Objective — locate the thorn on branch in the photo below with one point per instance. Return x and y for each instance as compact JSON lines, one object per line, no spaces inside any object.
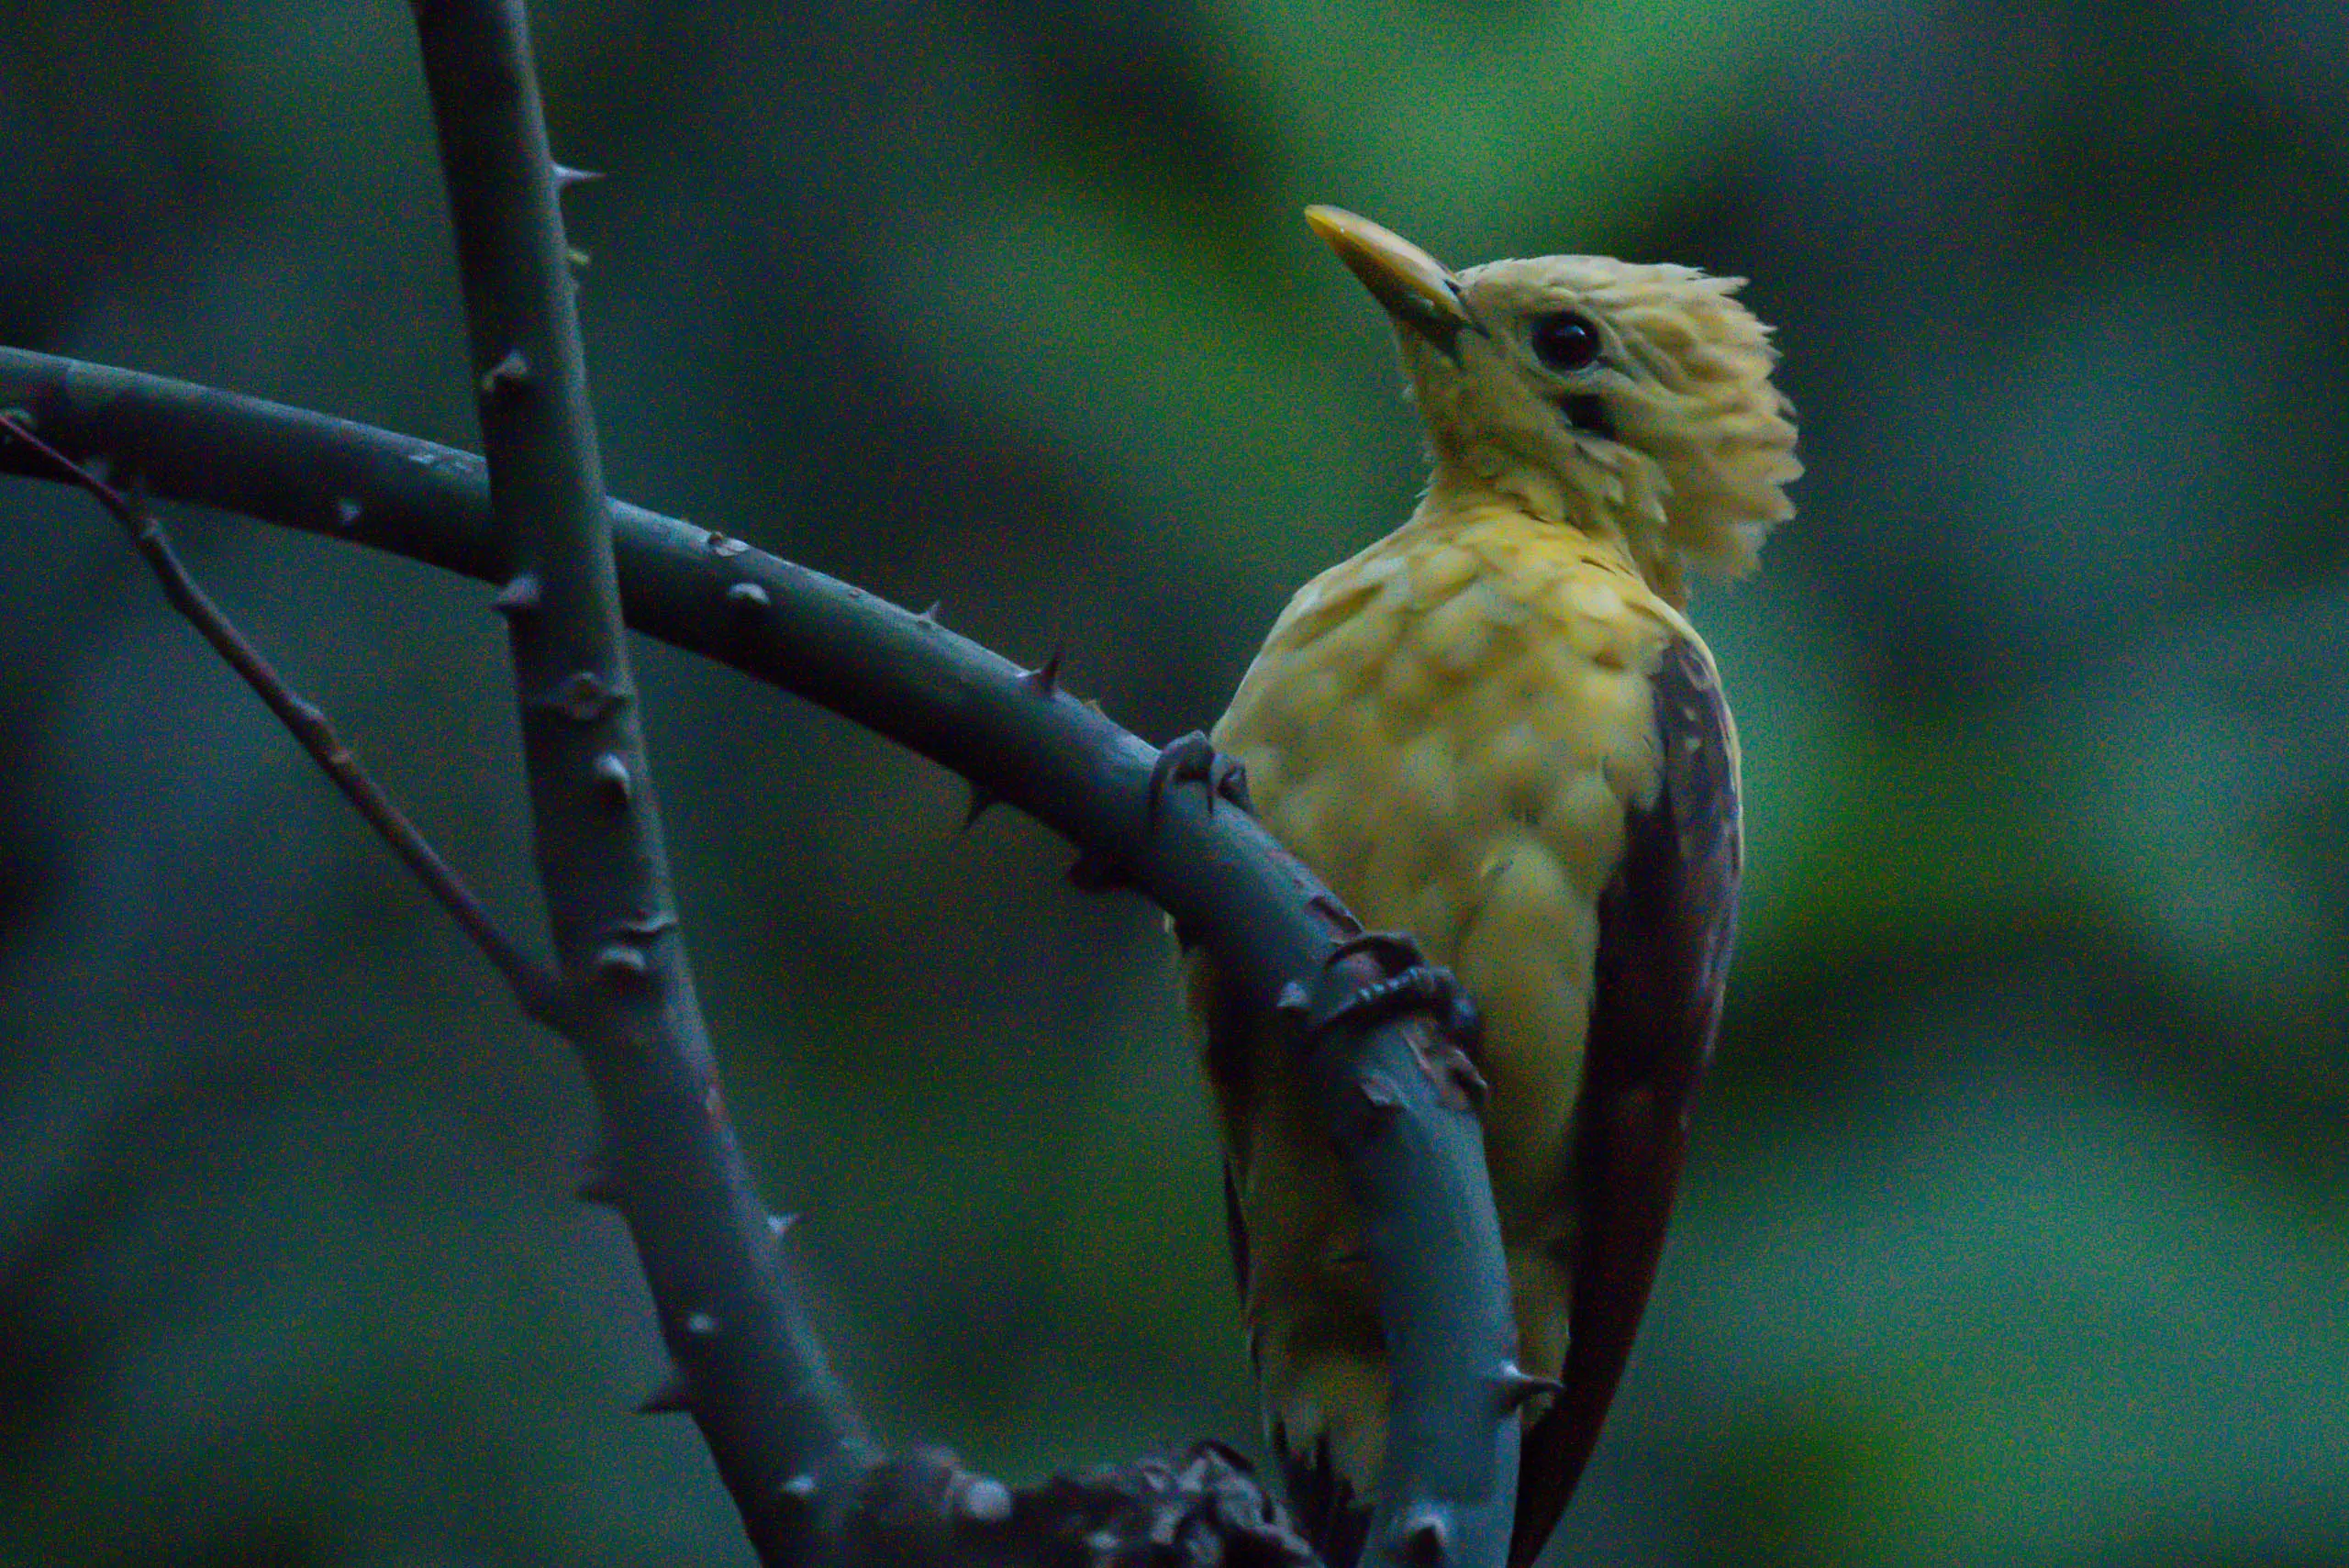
{"x":1515,"y":1388}
{"x":510,"y":374}
{"x":519,"y":597}
{"x":1193,"y":759}
{"x":1180,"y":760}
{"x":929,"y":615}
{"x":622,"y":961}
{"x":1326,"y":905}
{"x":982,"y":801}
{"x":621,"y":964}
{"x":1454,"y":1073}
{"x":565,"y":177}
{"x":1425,"y":1540}
{"x":614,"y":786}
{"x":1378,"y":1101}
{"x":1044,"y":679}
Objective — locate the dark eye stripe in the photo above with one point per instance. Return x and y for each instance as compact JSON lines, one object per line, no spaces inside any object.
{"x":1586,"y":412}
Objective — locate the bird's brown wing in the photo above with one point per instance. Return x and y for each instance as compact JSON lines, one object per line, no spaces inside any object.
{"x":1667,"y":922}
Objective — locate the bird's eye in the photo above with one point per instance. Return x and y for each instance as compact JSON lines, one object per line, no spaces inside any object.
{"x":1566,"y":341}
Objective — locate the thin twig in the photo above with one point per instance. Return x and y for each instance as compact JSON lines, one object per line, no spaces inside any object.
{"x":539,"y":992}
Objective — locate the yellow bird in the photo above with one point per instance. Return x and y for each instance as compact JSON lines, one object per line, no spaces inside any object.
{"x":1496,"y":729}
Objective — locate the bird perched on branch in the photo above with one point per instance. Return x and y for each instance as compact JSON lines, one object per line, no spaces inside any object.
{"x":1496,"y":728}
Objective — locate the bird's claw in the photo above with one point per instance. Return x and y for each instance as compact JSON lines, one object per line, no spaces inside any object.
{"x":1410,"y":985}
{"x":1190,"y":759}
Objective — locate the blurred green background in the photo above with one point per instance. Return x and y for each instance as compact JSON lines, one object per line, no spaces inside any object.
{"x":2015,"y":1229}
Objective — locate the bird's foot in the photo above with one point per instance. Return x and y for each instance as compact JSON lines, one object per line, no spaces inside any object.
{"x":1410,"y":985}
{"x":1189,"y":759}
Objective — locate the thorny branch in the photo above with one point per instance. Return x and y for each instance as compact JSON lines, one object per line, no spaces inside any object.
{"x":1266,"y":919}
{"x":747,"y":1365}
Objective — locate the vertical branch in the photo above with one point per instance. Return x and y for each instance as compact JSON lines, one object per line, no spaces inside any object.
{"x":747,"y":1365}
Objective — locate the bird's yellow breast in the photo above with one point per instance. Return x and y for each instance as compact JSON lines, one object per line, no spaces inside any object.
{"x":1449,"y":728}
{"x":1460,"y":730}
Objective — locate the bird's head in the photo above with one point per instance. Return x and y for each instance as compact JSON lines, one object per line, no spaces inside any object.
{"x":1597,"y":393}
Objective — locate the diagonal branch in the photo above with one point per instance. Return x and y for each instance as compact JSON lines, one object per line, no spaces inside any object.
{"x":538,"y":990}
{"x":1268,"y":922}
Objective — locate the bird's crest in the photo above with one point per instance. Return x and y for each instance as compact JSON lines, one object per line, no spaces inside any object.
{"x":1601,"y":394}
{"x":1685,"y":374}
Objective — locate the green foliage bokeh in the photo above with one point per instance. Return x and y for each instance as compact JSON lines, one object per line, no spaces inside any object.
{"x":2015,"y":1228}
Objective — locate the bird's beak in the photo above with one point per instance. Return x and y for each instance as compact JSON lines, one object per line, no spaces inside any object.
{"x":1413,"y":285}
